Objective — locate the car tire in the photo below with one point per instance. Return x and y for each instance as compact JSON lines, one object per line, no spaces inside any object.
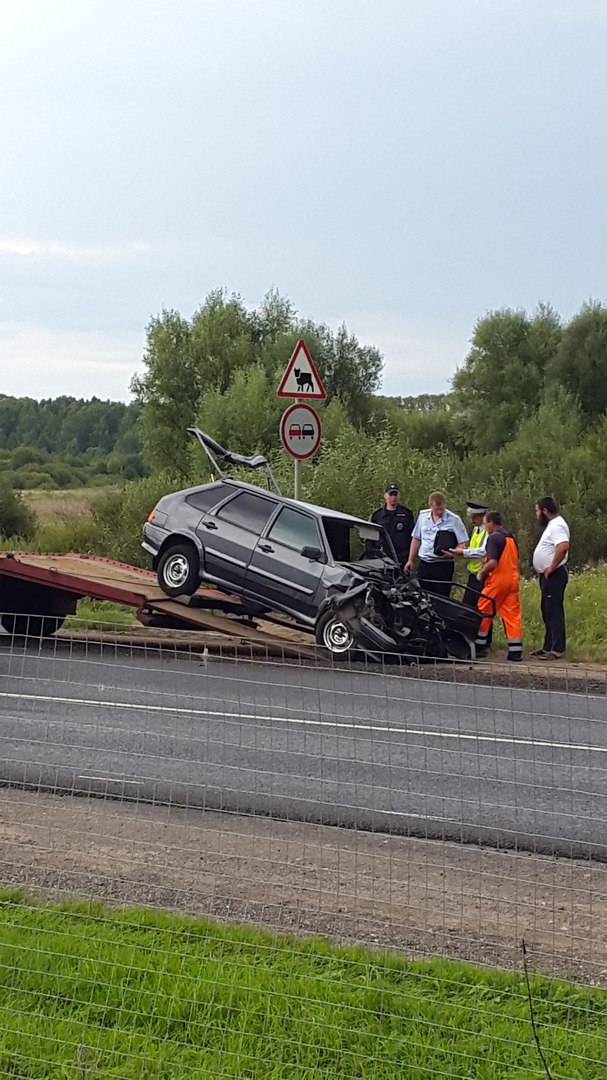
{"x":179,"y":570}
{"x":334,"y":636}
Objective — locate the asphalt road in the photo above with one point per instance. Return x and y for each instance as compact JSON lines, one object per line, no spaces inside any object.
{"x":379,"y":751}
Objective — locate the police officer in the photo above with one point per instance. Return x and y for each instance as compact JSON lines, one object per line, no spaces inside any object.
{"x":397,"y":520}
{"x":474,"y":553}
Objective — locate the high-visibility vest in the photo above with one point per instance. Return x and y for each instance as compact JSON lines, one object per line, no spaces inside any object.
{"x":476,"y":540}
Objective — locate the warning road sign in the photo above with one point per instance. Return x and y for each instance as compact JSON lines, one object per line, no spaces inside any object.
{"x":300,"y":431}
{"x":301,"y":379}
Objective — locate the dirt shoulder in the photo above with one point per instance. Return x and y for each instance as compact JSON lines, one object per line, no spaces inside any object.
{"x":420,"y":897}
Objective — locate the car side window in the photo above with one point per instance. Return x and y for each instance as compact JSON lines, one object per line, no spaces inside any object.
{"x":248,"y":510}
{"x":295,"y":529}
{"x":207,"y":498}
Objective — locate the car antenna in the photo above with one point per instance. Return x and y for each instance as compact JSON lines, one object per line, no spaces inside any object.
{"x":213,"y":451}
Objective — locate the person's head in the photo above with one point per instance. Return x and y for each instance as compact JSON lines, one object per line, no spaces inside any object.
{"x":437,"y":503}
{"x":391,"y":493}
{"x":493,"y":520}
{"x":546,"y":508}
{"x":476,"y":511}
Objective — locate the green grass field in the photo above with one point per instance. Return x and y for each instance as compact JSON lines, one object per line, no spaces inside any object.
{"x":88,"y":992}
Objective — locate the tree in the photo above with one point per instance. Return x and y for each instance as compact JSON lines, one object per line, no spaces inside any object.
{"x":221,"y":340}
{"x":580,"y":363}
{"x":502,"y":379}
{"x":168,"y":392}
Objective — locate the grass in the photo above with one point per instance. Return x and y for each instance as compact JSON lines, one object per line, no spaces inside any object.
{"x":101,"y":615}
{"x":585,"y":611}
{"x":142,"y":995}
{"x":65,"y":505}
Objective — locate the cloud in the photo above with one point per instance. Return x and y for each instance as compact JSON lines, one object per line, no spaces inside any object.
{"x":84,"y":252}
{"x":42,"y":363}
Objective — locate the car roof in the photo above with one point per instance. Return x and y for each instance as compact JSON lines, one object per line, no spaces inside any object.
{"x":324,"y":511}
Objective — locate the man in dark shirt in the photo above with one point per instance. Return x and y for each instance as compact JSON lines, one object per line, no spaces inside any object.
{"x":397,"y":520}
{"x":499,"y":580}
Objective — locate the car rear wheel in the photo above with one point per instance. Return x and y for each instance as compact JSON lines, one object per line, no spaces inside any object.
{"x":334,"y":635}
{"x":179,"y":570}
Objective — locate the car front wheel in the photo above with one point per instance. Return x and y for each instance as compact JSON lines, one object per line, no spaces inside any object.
{"x":334,"y":635}
{"x":179,"y":570}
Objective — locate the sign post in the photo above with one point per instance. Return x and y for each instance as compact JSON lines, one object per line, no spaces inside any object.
{"x":300,"y":430}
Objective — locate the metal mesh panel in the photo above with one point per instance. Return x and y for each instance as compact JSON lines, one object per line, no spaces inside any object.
{"x":436,"y":815}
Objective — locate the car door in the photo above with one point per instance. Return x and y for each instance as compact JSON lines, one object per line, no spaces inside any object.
{"x":279,"y":573}
{"x":229,"y":536}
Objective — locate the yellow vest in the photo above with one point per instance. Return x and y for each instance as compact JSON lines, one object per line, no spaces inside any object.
{"x":476,"y":540}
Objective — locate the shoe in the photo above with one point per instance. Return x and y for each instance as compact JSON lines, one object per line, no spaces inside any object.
{"x":516,"y":657}
{"x":541,"y":653}
{"x":482,"y":653}
{"x":552,"y":656}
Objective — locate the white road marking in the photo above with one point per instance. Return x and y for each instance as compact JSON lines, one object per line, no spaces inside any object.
{"x":431,"y":733}
{"x":109,"y":779}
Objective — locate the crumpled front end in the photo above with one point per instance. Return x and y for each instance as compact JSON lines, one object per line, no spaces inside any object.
{"x":390,"y":614}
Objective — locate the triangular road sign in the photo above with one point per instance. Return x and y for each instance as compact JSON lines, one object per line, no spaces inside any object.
{"x":301,"y":379}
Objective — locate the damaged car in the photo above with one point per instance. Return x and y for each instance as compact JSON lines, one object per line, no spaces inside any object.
{"x":333,"y":573}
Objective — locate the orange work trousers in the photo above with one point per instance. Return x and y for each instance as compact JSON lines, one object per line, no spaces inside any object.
{"x":502,"y":586}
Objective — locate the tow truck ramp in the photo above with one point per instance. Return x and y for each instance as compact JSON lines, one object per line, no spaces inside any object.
{"x":38,"y":591}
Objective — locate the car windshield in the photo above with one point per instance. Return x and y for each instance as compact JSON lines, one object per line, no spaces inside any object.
{"x":350,"y":541}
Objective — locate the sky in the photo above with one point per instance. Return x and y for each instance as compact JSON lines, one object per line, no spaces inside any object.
{"x":403,"y":166}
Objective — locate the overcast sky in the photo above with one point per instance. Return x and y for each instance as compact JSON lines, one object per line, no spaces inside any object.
{"x":400,"y":165}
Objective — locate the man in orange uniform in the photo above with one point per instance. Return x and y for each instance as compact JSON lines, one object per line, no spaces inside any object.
{"x":499,"y":580}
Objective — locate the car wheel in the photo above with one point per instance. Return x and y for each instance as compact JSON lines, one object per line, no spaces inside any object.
{"x":179,"y":570}
{"x":334,"y":635}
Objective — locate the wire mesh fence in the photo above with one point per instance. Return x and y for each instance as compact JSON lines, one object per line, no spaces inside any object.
{"x":221,"y":863}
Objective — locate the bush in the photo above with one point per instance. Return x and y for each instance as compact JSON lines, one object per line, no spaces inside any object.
{"x":119,"y":518}
{"x":16,"y":519}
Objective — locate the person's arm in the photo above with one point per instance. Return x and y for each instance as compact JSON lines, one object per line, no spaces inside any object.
{"x":559,"y":554}
{"x":483,"y":574}
{"x":413,"y":550}
{"x":470,"y":552}
{"x":460,"y":530}
{"x":496,"y":543}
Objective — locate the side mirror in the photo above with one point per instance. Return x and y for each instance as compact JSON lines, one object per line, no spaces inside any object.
{"x":315,"y":554}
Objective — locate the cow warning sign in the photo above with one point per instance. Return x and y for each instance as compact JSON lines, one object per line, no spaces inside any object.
{"x":301,"y":379}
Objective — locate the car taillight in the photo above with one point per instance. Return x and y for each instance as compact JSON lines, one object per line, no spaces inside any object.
{"x":151,"y":514}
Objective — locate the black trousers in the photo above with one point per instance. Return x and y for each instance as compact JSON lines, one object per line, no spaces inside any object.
{"x":553,"y":609}
{"x":473,"y":590}
{"x":436,"y":577}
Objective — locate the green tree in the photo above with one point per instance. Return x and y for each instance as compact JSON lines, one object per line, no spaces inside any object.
{"x":221,"y":340}
{"x":580,"y":363}
{"x":168,"y":392}
{"x":502,"y":379}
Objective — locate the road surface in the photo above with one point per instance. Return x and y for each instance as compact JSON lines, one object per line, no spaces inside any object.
{"x":361,"y":749}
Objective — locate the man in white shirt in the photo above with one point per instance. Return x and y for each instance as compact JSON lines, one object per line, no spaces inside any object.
{"x":436,"y":531}
{"x":550,"y":564}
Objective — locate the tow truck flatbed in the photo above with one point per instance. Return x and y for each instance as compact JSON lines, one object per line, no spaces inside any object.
{"x":37,"y":592}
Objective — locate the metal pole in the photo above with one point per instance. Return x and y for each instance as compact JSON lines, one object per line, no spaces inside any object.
{"x":297,"y":471}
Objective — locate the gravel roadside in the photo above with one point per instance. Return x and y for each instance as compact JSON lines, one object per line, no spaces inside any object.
{"x":421,"y":897}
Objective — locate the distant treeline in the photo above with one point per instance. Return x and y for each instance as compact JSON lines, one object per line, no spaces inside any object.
{"x":65,"y":442}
